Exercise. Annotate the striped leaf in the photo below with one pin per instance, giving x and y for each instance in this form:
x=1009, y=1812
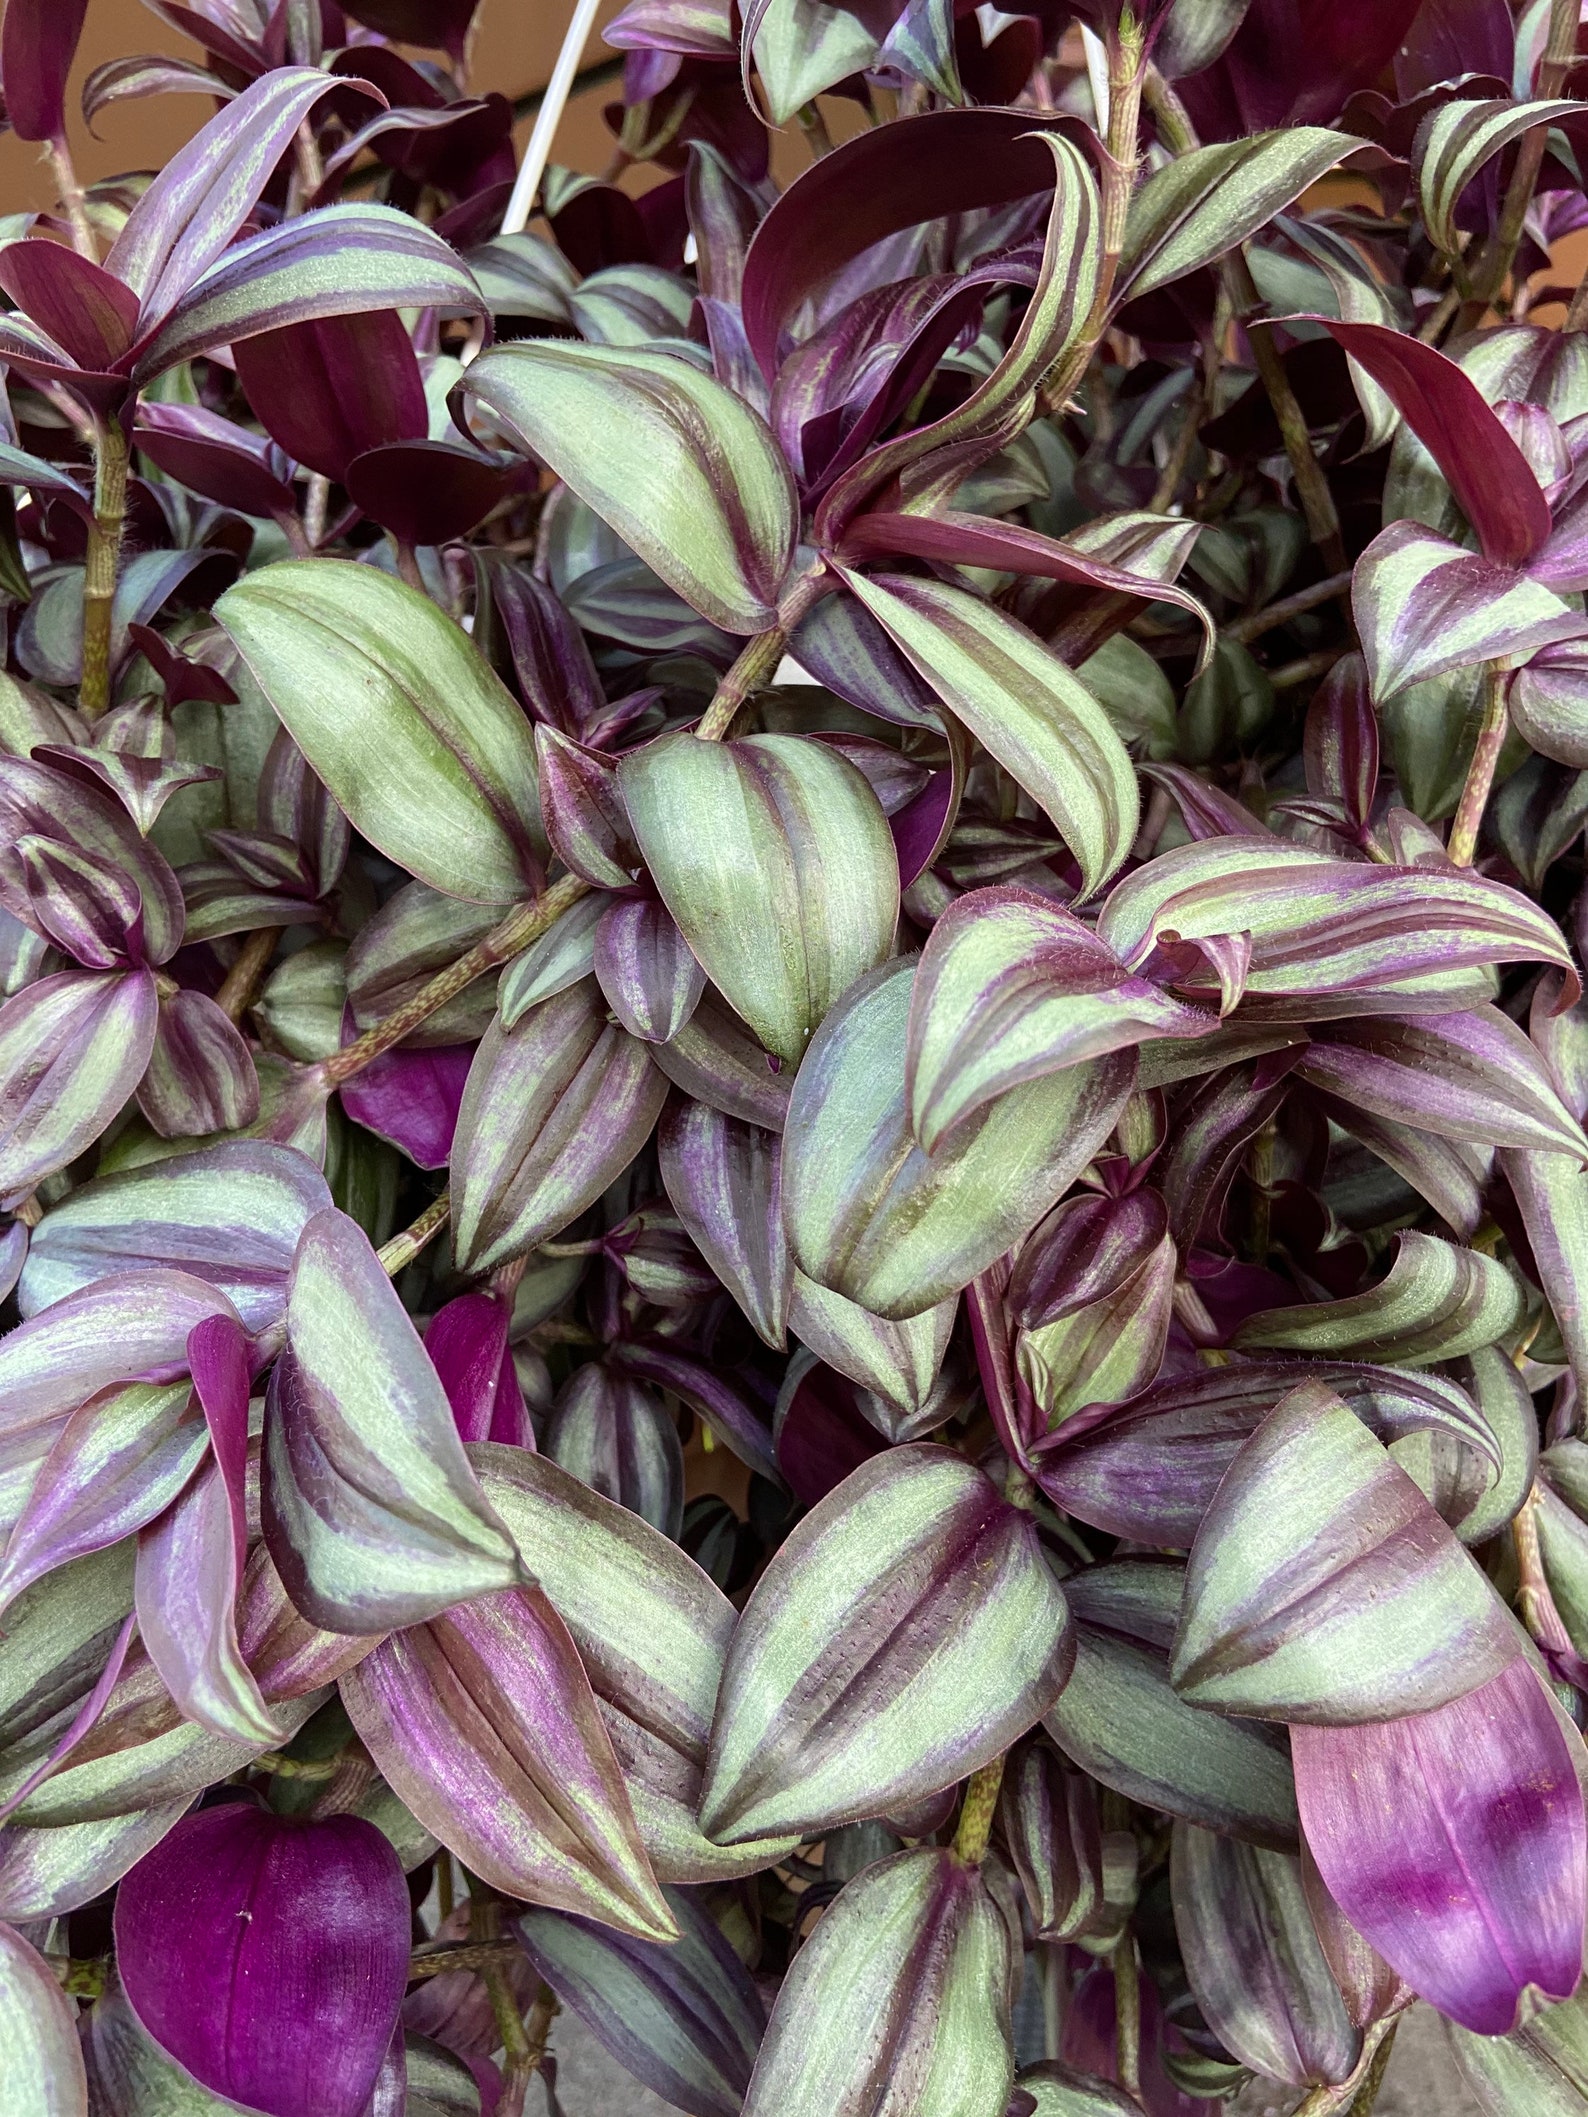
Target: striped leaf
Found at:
x=685, y=472
x=1436, y=1303
x=906, y=1632
x=1458, y=140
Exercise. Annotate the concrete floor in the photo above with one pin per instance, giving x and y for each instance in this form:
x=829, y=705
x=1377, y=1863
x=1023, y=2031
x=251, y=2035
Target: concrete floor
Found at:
x=1422, y=2081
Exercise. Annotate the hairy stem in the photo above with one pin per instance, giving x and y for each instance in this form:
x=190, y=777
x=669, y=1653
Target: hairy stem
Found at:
x=71, y=197
x=523, y=924
x=99, y=569
x=757, y=661
x=977, y=1811
x=1480, y=773
x=1553, y=70
x=435, y=1960
x=1378, y=2066
x=242, y=981
x=1126, y=73
x=396, y=1256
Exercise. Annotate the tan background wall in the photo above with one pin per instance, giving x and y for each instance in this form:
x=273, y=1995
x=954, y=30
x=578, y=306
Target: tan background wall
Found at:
x=515, y=45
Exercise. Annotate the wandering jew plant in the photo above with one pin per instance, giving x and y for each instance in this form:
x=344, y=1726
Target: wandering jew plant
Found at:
x=793, y=1071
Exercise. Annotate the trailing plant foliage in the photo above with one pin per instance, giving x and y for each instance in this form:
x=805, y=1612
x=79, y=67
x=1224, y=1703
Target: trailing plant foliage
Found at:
x=792, y=1075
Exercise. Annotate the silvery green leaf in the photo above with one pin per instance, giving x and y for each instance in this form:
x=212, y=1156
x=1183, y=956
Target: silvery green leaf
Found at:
x=229, y=1215
x=1322, y=1586
x=1254, y=1961
x=563, y=955
x=553, y=1111
x=685, y=472
x=44, y=2074
x=485, y=1724
x=898, y=2002
x=1436, y=1302
x=685, y=2018
x=1021, y=703
x=652, y=1630
x=372, y=1513
x=46, y=1872
x=1118, y=1718
x=875, y=1218
x=1205, y=202
x=775, y=858
x=437, y=765
x=899, y=1364
x=907, y=1631
x=1424, y=606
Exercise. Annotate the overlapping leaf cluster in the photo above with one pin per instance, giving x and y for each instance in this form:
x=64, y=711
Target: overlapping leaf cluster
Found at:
x=793, y=1072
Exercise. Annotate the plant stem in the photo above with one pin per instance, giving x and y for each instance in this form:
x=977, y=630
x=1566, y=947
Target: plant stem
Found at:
x=1553, y=70
x=99, y=568
x=1312, y=487
x=757, y=661
x=316, y=499
x=1328, y=2096
x=408, y=566
x=241, y=982
x=1280, y=613
x=396, y=1256
x=523, y=924
x=459, y=1955
x=1126, y=73
x=1127, y=2014
x=1480, y=773
x=977, y=1811
x=1378, y=2066
x=71, y=196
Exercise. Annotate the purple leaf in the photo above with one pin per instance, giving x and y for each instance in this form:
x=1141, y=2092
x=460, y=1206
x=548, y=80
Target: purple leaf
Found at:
x=722, y=1177
x=217, y=459
x=197, y=203
x=619, y=1439
x=329, y=390
x=1050, y=1824
x=1256, y=1967
x=551, y=661
x=586, y=821
x=412, y=1098
x=1444, y=408
x=713, y=1399
x=975, y=540
x=190, y=1560
x=269, y=1956
x=37, y=47
x=1341, y=746
x=1148, y=1470
x=484, y=1722
x=1454, y=1842
x=428, y=492
x=88, y=311
x=467, y=1341
x=960, y=160
x=201, y=1074
x=554, y=1110
x=645, y=969
x=120, y=1460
